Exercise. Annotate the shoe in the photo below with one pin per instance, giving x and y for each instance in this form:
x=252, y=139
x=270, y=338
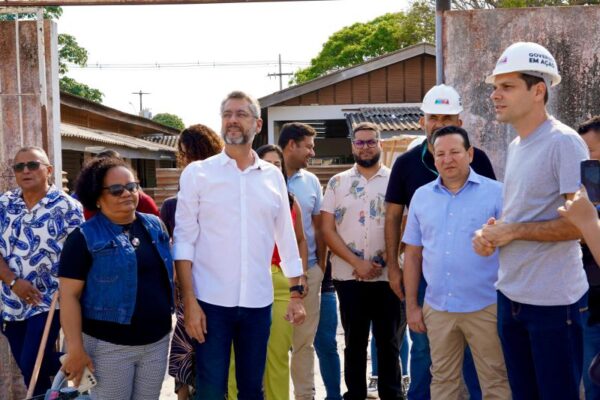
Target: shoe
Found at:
x=372, y=388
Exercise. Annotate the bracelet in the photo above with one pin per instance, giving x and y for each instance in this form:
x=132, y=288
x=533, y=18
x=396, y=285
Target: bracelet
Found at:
x=12, y=283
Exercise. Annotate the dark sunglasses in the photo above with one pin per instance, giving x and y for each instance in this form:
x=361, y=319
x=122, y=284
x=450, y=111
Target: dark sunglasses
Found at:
x=118, y=189
x=31, y=165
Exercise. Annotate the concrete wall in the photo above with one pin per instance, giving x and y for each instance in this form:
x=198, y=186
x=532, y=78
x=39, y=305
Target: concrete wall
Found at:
x=473, y=41
x=22, y=125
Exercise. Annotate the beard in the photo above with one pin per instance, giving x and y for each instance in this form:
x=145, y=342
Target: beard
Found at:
x=246, y=137
x=368, y=162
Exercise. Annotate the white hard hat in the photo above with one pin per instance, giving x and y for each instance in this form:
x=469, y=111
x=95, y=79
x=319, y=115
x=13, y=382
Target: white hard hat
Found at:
x=442, y=99
x=528, y=58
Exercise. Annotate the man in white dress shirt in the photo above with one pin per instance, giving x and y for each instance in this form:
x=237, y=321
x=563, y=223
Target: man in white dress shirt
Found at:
x=232, y=209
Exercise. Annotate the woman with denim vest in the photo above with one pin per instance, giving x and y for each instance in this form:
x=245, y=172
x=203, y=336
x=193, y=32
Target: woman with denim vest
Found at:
x=116, y=288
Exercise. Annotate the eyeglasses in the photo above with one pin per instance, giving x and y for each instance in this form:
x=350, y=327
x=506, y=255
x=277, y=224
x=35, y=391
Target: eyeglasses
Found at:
x=31, y=165
x=118, y=189
x=237, y=114
x=362, y=143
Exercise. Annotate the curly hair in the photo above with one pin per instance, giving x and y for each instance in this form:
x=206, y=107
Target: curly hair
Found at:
x=197, y=142
x=90, y=181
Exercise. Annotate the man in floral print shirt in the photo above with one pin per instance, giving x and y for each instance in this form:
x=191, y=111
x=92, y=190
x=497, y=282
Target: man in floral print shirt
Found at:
x=353, y=214
x=35, y=220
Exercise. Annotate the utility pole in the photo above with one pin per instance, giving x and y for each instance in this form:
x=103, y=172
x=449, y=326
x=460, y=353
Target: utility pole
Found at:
x=140, y=93
x=440, y=7
x=280, y=74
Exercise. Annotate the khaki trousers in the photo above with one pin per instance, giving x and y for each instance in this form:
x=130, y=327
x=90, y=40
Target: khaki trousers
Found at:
x=302, y=366
x=448, y=333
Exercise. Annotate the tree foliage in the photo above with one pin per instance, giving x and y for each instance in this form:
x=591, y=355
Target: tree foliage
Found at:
x=171, y=120
x=360, y=42
x=70, y=85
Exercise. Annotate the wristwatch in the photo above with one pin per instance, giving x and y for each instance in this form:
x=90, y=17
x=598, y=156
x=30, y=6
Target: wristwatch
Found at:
x=297, y=288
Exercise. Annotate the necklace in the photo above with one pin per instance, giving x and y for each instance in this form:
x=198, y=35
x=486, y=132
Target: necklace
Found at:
x=423, y=159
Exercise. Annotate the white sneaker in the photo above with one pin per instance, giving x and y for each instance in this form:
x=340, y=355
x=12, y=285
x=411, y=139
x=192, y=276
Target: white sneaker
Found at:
x=372, y=388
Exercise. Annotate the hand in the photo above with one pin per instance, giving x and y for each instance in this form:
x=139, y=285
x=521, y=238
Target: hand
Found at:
x=414, y=318
x=295, y=311
x=194, y=319
x=74, y=364
x=395, y=276
x=27, y=292
x=366, y=270
x=482, y=246
x=580, y=211
x=497, y=233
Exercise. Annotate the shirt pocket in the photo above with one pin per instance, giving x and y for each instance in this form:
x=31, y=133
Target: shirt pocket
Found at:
x=106, y=263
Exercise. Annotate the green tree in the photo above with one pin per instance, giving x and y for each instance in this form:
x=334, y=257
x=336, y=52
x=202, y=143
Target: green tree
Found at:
x=171, y=120
x=360, y=42
x=69, y=51
x=70, y=85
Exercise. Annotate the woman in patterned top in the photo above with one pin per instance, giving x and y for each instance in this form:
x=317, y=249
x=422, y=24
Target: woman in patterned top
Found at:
x=35, y=220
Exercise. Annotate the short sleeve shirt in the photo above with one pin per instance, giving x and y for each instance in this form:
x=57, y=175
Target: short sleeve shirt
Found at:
x=31, y=242
x=358, y=207
x=416, y=168
x=305, y=186
x=540, y=169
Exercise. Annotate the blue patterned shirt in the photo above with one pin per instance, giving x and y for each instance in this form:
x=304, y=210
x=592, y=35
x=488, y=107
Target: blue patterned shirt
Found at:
x=31, y=242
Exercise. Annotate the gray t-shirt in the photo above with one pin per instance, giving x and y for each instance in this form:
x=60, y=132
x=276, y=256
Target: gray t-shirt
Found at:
x=539, y=170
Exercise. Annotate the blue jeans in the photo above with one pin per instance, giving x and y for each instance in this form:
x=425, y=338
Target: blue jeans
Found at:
x=591, y=347
x=420, y=363
x=24, y=339
x=248, y=329
x=543, y=348
x=326, y=346
x=403, y=354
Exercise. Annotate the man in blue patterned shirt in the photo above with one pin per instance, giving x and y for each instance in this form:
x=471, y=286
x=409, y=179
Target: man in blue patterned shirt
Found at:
x=35, y=220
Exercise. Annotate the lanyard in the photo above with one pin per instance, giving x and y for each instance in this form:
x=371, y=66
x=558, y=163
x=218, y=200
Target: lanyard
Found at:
x=423, y=159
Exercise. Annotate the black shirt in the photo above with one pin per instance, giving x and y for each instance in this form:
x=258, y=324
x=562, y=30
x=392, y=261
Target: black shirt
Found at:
x=415, y=168
x=151, y=318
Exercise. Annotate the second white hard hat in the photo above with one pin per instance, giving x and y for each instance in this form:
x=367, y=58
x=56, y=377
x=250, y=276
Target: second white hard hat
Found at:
x=528, y=58
x=442, y=99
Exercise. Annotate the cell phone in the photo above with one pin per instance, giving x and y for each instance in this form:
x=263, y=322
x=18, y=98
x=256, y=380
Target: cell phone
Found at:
x=379, y=260
x=590, y=178
x=88, y=380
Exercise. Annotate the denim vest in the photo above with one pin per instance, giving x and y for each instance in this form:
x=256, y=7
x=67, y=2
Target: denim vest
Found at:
x=111, y=287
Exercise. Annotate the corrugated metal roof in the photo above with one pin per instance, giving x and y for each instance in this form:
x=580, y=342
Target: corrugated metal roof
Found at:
x=111, y=138
x=167, y=140
x=387, y=118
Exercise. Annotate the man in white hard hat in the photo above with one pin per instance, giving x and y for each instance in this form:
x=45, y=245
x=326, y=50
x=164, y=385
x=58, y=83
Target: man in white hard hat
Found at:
x=541, y=283
x=413, y=169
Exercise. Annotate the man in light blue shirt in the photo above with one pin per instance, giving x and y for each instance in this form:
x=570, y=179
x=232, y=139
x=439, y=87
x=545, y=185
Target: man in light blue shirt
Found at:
x=297, y=140
x=460, y=300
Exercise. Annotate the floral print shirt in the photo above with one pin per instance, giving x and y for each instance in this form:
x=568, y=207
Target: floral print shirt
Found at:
x=358, y=206
x=30, y=244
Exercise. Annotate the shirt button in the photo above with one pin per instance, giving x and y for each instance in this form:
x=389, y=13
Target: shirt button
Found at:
x=448, y=273
x=449, y=233
x=449, y=294
x=451, y=214
x=447, y=252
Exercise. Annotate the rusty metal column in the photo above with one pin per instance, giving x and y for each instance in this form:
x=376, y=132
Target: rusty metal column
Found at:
x=440, y=7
